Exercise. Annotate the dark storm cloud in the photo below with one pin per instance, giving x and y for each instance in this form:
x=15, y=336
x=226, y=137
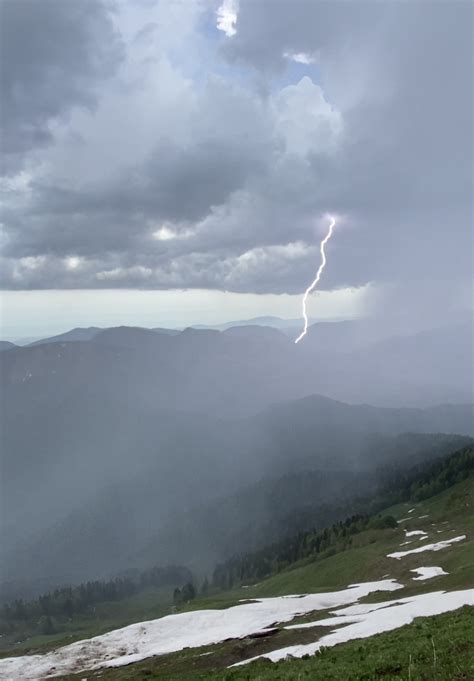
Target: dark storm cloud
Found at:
x=228, y=194
x=267, y=31
x=55, y=55
x=176, y=182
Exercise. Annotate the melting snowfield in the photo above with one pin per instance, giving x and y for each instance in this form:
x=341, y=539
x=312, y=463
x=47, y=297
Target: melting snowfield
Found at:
x=363, y=620
x=438, y=546
x=183, y=630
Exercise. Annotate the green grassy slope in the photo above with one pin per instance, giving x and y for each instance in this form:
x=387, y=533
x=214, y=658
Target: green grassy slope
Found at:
x=367, y=560
x=436, y=648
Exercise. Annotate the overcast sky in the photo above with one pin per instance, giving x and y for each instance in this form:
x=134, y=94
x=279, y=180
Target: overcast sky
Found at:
x=199, y=145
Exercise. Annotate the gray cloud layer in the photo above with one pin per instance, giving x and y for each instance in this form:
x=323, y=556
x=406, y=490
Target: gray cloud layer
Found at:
x=144, y=149
x=55, y=55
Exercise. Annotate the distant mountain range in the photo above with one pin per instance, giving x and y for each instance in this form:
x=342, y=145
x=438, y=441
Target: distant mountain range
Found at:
x=343, y=335
x=78, y=334
x=251, y=366
x=275, y=322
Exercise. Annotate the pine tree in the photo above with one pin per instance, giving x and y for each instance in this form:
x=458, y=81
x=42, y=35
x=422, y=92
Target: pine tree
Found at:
x=189, y=592
x=46, y=625
x=177, y=596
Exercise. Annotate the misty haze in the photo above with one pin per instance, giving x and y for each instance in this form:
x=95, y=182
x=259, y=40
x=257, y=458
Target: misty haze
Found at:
x=236, y=340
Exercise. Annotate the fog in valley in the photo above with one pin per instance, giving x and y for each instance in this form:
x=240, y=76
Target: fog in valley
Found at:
x=150, y=447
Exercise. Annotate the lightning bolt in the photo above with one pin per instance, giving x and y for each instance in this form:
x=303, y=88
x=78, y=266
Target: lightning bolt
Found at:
x=332, y=222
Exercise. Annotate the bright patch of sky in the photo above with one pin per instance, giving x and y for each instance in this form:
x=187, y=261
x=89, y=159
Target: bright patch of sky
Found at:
x=227, y=17
x=301, y=57
x=26, y=314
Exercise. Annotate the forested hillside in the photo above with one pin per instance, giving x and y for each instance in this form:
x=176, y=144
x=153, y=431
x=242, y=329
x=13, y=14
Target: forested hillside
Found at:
x=416, y=484
x=53, y=612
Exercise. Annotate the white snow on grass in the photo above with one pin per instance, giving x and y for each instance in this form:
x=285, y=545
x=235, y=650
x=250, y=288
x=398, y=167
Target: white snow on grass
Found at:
x=411, y=510
x=367, y=619
x=414, y=533
x=183, y=630
x=444, y=544
x=403, y=520
x=428, y=573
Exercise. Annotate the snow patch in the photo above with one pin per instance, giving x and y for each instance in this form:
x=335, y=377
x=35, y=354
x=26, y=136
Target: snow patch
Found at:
x=368, y=619
x=427, y=547
x=428, y=573
x=414, y=533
